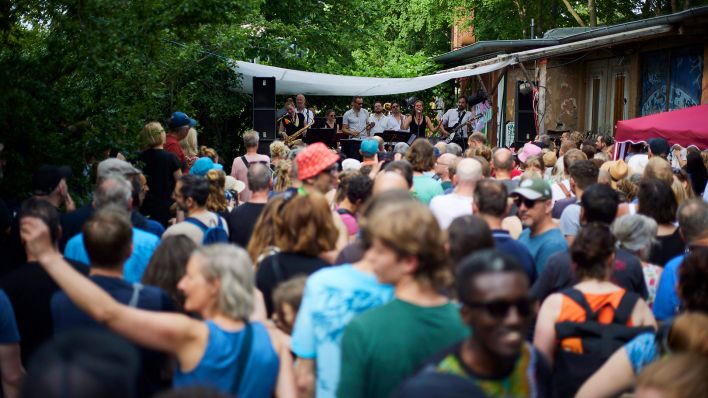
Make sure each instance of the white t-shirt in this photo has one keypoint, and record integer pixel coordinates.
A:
(451, 117)
(356, 121)
(446, 208)
(637, 163)
(380, 123)
(307, 114)
(558, 193)
(394, 124)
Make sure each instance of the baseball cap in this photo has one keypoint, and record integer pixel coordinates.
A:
(369, 147)
(658, 146)
(529, 150)
(202, 166)
(47, 177)
(114, 165)
(534, 189)
(313, 160)
(179, 119)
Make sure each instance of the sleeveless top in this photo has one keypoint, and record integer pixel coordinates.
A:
(573, 312)
(418, 130)
(217, 367)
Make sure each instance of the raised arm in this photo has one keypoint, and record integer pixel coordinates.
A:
(406, 122)
(173, 333)
(429, 123)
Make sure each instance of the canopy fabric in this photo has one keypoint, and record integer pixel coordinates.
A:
(291, 82)
(686, 127)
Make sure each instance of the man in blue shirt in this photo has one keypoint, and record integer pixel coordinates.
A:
(491, 205)
(693, 226)
(107, 237)
(116, 191)
(11, 372)
(543, 239)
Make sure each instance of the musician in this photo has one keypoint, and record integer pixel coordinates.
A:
(292, 122)
(301, 108)
(417, 121)
(454, 118)
(331, 120)
(354, 121)
(396, 118)
(378, 119)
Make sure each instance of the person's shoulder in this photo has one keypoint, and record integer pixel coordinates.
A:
(145, 237)
(74, 242)
(674, 263)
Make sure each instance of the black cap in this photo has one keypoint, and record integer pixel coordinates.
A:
(46, 179)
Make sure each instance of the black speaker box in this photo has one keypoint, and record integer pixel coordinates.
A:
(264, 92)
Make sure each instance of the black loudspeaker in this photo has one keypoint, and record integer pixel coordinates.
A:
(264, 107)
(524, 121)
(264, 146)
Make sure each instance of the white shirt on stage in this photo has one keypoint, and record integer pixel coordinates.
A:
(451, 117)
(307, 114)
(356, 121)
(380, 123)
(393, 124)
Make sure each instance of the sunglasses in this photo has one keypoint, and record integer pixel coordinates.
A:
(499, 309)
(527, 202)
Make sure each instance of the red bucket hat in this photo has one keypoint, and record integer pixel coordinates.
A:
(313, 160)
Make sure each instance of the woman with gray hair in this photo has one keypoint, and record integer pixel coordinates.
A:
(636, 234)
(222, 349)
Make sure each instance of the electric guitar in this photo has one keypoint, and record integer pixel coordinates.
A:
(459, 127)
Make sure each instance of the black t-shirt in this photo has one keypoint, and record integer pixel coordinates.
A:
(30, 289)
(241, 221)
(71, 223)
(666, 248)
(558, 275)
(280, 267)
(159, 167)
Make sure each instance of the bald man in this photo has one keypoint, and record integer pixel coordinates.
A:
(389, 181)
(442, 169)
(446, 208)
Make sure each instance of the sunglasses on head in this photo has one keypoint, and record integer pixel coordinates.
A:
(529, 203)
(499, 309)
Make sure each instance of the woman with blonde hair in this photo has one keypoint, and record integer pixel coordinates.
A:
(262, 242)
(216, 201)
(278, 153)
(223, 348)
(161, 169)
(190, 148)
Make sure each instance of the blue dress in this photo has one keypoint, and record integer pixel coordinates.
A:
(217, 368)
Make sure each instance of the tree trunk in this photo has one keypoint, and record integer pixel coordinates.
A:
(592, 12)
(573, 13)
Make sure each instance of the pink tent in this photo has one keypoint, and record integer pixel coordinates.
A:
(686, 127)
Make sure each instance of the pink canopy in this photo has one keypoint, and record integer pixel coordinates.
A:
(688, 126)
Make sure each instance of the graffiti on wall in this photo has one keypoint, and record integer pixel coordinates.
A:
(671, 79)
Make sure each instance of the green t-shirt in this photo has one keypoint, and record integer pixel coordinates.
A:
(385, 345)
(425, 188)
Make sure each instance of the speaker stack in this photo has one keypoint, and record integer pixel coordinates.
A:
(264, 110)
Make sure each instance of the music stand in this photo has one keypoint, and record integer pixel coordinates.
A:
(350, 148)
(326, 136)
(395, 136)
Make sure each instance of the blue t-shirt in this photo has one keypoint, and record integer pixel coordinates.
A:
(332, 298)
(144, 244)
(543, 246)
(505, 243)
(667, 303)
(217, 367)
(641, 351)
(8, 326)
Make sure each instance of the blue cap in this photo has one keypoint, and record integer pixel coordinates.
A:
(369, 147)
(202, 166)
(180, 119)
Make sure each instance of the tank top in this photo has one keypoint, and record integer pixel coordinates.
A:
(415, 128)
(217, 368)
(573, 312)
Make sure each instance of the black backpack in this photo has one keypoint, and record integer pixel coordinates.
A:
(599, 342)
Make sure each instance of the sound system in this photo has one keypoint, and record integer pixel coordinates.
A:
(264, 107)
(524, 122)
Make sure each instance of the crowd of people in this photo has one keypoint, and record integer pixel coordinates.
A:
(551, 271)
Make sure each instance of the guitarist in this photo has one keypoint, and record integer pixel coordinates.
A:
(292, 122)
(454, 118)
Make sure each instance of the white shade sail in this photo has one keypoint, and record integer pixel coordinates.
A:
(291, 82)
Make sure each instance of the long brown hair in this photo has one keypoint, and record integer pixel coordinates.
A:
(263, 236)
(304, 225)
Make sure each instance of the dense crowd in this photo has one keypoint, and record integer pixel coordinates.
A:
(420, 270)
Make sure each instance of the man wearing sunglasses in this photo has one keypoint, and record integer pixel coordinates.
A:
(493, 290)
(354, 121)
(541, 235)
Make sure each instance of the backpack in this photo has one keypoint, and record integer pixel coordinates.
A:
(248, 164)
(212, 235)
(599, 342)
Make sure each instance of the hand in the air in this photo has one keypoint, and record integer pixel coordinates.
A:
(35, 234)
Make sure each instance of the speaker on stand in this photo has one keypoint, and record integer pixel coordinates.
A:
(264, 107)
(525, 121)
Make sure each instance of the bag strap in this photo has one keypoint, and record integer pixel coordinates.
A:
(243, 354)
(625, 308)
(344, 211)
(565, 190)
(577, 296)
(245, 162)
(137, 287)
(198, 223)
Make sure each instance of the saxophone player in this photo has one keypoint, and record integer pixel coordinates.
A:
(292, 122)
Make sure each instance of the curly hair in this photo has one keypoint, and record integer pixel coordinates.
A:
(263, 236)
(590, 251)
(421, 155)
(281, 175)
(216, 201)
(693, 281)
(279, 150)
(304, 225)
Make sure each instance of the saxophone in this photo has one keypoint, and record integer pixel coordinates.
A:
(290, 141)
